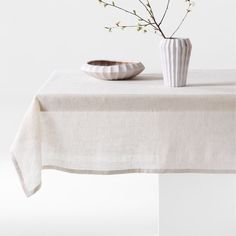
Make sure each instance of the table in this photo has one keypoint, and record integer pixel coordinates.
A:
(78, 124)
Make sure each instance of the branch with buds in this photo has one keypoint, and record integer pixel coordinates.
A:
(149, 23)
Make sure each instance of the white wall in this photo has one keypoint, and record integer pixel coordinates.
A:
(39, 36)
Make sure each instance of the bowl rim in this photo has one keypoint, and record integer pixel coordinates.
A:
(112, 63)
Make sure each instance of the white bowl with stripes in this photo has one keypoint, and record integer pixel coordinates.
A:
(112, 70)
(175, 57)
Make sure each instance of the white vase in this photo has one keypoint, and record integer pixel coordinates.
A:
(175, 56)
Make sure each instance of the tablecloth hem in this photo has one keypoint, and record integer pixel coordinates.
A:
(27, 192)
(133, 171)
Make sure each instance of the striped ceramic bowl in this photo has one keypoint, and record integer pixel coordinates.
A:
(112, 70)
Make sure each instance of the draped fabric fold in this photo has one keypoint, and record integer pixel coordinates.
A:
(26, 150)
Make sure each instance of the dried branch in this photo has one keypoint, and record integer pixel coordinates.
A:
(138, 26)
(146, 22)
(167, 7)
(145, 6)
(190, 4)
(148, 8)
(134, 13)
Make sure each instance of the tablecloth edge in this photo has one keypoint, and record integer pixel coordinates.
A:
(27, 192)
(138, 171)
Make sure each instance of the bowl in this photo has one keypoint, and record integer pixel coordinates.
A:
(112, 70)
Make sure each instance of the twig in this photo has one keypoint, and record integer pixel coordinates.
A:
(167, 7)
(129, 12)
(154, 18)
(145, 7)
(129, 26)
(149, 21)
(148, 7)
(182, 21)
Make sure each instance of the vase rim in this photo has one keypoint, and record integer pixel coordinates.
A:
(175, 39)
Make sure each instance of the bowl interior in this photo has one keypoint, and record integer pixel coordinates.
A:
(105, 63)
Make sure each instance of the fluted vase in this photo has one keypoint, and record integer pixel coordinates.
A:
(175, 57)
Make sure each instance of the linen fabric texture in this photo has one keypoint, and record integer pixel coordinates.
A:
(80, 124)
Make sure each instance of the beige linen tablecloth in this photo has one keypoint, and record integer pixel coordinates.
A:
(79, 124)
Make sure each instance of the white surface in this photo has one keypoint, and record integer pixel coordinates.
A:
(216, 82)
(100, 127)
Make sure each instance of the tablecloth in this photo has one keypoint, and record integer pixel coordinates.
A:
(79, 124)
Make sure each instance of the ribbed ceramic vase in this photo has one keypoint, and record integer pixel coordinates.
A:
(175, 57)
